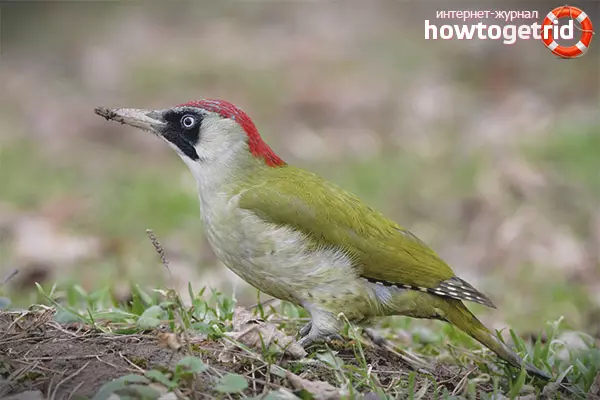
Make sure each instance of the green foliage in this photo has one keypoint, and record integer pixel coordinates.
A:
(151, 317)
(231, 383)
(208, 314)
(118, 385)
(190, 364)
(575, 370)
(162, 378)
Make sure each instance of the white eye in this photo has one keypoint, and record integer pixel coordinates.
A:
(188, 121)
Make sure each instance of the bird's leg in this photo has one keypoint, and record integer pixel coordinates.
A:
(305, 329)
(323, 326)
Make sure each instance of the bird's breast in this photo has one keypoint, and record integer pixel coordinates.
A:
(276, 259)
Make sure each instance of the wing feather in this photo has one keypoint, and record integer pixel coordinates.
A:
(383, 251)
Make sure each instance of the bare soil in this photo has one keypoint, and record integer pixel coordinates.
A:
(74, 361)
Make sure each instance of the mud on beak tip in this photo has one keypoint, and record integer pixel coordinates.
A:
(142, 119)
(107, 113)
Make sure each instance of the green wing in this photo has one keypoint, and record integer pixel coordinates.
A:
(383, 251)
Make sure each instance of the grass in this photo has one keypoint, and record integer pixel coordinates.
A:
(191, 365)
(194, 336)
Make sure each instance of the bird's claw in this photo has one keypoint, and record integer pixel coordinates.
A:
(305, 329)
(308, 340)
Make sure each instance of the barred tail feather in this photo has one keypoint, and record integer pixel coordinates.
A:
(460, 289)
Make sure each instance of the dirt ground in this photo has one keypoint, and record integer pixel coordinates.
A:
(73, 361)
(67, 361)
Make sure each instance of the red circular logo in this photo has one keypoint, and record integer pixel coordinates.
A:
(586, 31)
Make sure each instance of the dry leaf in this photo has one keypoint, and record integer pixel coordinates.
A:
(319, 389)
(169, 340)
(255, 332)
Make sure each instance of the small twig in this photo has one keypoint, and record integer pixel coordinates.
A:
(35, 366)
(253, 377)
(8, 277)
(21, 315)
(159, 249)
(58, 358)
(66, 332)
(73, 375)
(107, 363)
(75, 390)
(50, 385)
(128, 361)
(15, 340)
(14, 377)
(463, 382)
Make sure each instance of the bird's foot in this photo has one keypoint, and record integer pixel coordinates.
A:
(305, 330)
(308, 340)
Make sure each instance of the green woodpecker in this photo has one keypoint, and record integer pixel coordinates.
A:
(300, 238)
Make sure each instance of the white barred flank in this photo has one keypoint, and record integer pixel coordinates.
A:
(454, 288)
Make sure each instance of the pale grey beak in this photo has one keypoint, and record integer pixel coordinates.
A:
(147, 120)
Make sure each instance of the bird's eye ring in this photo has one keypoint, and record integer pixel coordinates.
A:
(188, 121)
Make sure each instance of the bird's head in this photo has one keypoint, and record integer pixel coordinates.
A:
(201, 132)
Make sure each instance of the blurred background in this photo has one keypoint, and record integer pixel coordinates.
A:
(488, 152)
